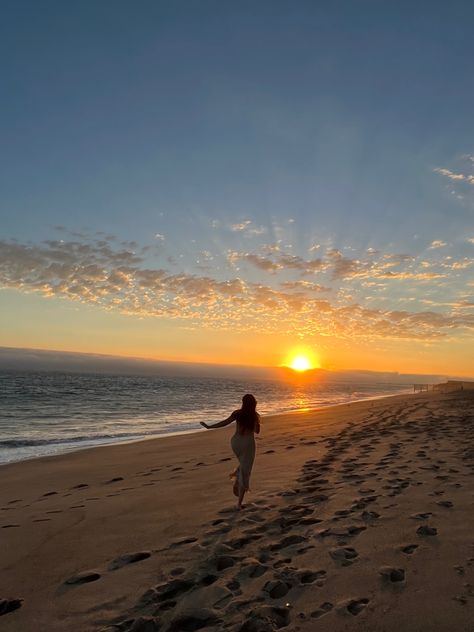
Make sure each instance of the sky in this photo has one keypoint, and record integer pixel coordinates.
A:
(236, 182)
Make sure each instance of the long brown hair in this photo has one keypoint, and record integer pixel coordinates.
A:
(247, 416)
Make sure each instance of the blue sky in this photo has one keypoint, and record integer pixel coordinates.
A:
(318, 127)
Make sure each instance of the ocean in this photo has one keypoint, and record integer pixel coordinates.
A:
(49, 413)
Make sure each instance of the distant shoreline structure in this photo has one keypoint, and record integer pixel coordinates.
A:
(445, 387)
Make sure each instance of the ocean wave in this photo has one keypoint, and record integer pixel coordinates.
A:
(27, 443)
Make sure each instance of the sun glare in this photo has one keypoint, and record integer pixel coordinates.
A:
(300, 363)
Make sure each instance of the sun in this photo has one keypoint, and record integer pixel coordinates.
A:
(300, 363)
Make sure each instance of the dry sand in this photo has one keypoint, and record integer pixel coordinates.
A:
(361, 518)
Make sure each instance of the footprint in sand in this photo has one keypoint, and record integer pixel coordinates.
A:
(445, 503)
(193, 620)
(128, 558)
(344, 555)
(222, 562)
(392, 575)
(279, 563)
(233, 585)
(276, 588)
(421, 516)
(427, 530)
(323, 609)
(116, 479)
(309, 577)
(409, 549)
(255, 569)
(208, 580)
(83, 578)
(9, 605)
(172, 589)
(49, 494)
(80, 486)
(356, 606)
(182, 541)
(288, 541)
(10, 526)
(266, 618)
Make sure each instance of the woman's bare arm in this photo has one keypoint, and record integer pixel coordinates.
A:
(219, 424)
(257, 426)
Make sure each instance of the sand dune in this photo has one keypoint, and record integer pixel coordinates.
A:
(360, 518)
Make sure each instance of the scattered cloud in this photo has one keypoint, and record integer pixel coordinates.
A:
(115, 276)
(437, 243)
(306, 286)
(459, 177)
(248, 228)
(449, 174)
(240, 227)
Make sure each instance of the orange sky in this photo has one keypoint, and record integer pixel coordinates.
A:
(62, 325)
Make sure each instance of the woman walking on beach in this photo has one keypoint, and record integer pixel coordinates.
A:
(243, 442)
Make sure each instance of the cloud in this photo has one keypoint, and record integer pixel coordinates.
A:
(306, 286)
(458, 177)
(463, 264)
(278, 261)
(240, 227)
(449, 174)
(470, 240)
(248, 228)
(437, 243)
(116, 278)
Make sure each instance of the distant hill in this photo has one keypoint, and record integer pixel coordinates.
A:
(15, 359)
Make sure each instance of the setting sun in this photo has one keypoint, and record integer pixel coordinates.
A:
(301, 359)
(300, 363)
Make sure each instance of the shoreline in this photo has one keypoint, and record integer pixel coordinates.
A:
(163, 435)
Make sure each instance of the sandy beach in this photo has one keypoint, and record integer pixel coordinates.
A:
(359, 518)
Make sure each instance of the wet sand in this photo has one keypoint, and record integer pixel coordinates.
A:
(360, 518)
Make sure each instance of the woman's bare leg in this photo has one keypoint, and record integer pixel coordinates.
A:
(242, 491)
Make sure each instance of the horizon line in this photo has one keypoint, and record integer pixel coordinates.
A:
(150, 361)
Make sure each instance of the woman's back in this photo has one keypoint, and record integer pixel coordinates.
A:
(247, 422)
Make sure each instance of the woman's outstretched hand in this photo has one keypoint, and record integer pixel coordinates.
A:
(204, 424)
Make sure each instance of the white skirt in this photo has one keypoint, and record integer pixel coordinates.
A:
(244, 449)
